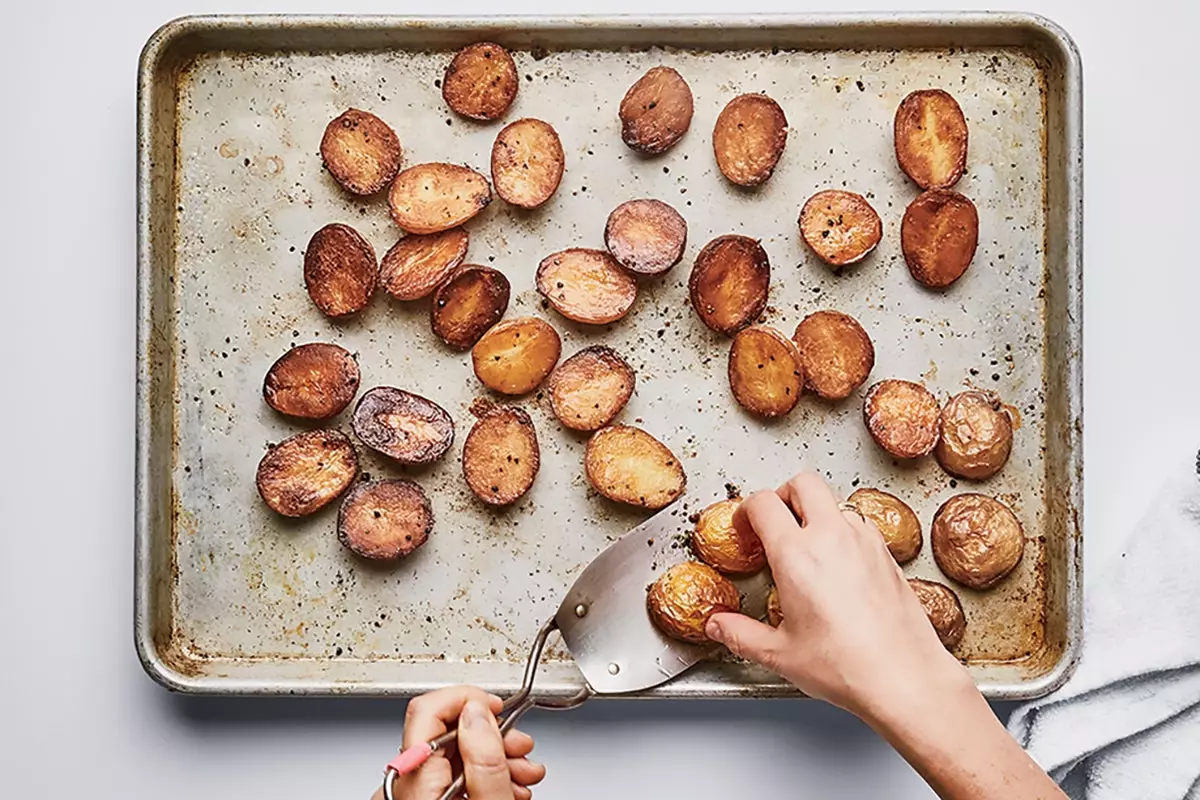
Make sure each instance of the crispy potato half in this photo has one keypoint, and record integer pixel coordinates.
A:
(931, 138)
(938, 236)
(895, 520)
(516, 355)
(418, 263)
(501, 456)
(340, 270)
(976, 435)
(385, 520)
(527, 163)
(943, 608)
(586, 285)
(836, 353)
(481, 81)
(361, 152)
(590, 388)
(774, 608)
(729, 283)
(645, 236)
(471, 300)
(402, 425)
(765, 372)
(628, 465)
(312, 381)
(725, 544)
(685, 596)
(977, 540)
(902, 418)
(748, 138)
(306, 472)
(428, 198)
(656, 111)
(840, 227)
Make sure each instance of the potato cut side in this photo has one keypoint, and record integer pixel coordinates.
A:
(516, 355)
(840, 227)
(681, 601)
(896, 521)
(628, 465)
(931, 138)
(590, 388)
(836, 352)
(419, 263)
(385, 520)
(303, 474)
(645, 236)
(938, 235)
(481, 81)
(977, 540)
(472, 300)
(902, 418)
(428, 198)
(729, 283)
(312, 381)
(403, 425)
(726, 542)
(976, 435)
(361, 152)
(944, 610)
(527, 163)
(765, 372)
(748, 138)
(340, 270)
(586, 285)
(656, 111)
(501, 456)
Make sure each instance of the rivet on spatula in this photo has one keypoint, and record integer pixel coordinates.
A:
(581, 610)
(614, 668)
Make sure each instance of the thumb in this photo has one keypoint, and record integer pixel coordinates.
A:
(745, 637)
(485, 763)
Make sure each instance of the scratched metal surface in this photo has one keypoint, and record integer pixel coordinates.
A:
(235, 599)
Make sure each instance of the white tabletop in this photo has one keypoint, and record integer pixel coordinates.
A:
(77, 700)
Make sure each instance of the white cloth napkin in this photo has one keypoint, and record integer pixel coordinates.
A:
(1127, 725)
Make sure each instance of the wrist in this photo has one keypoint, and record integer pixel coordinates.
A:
(937, 694)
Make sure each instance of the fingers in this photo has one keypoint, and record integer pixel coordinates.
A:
(482, 750)
(517, 744)
(521, 793)
(746, 638)
(525, 772)
(429, 715)
(770, 519)
(810, 498)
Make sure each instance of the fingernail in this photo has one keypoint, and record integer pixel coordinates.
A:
(713, 630)
(474, 715)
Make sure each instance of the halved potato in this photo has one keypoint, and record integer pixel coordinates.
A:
(481, 81)
(631, 466)
(586, 285)
(385, 520)
(361, 152)
(428, 198)
(306, 472)
(836, 353)
(656, 111)
(840, 227)
(501, 456)
(748, 138)
(931, 138)
(976, 435)
(727, 544)
(590, 388)
(938, 235)
(729, 283)
(471, 300)
(774, 608)
(977, 540)
(527, 163)
(403, 425)
(312, 381)
(516, 355)
(340, 270)
(944, 610)
(418, 263)
(902, 418)
(765, 372)
(685, 596)
(645, 236)
(896, 521)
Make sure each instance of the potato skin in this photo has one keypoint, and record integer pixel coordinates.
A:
(361, 152)
(469, 302)
(428, 198)
(481, 81)
(586, 285)
(977, 540)
(726, 545)
(628, 465)
(590, 388)
(340, 270)
(683, 598)
(774, 608)
(656, 111)
(944, 610)
(749, 138)
(930, 133)
(645, 236)
(402, 425)
(527, 163)
(902, 418)
(312, 381)
(976, 435)
(385, 520)
(840, 227)
(895, 520)
(837, 354)
(419, 263)
(516, 355)
(729, 283)
(501, 456)
(938, 235)
(765, 373)
(305, 473)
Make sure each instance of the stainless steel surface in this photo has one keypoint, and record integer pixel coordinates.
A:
(231, 599)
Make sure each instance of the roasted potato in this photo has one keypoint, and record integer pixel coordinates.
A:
(725, 544)
(306, 472)
(840, 227)
(943, 608)
(385, 520)
(938, 235)
(527, 163)
(428, 198)
(685, 596)
(646, 237)
(590, 388)
(897, 523)
(586, 286)
(340, 270)
(471, 300)
(729, 283)
(976, 435)
(516, 355)
(481, 81)
(902, 418)
(312, 381)
(836, 353)
(501, 456)
(361, 152)
(402, 425)
(774, 608)
(748, 138)
(765, 372)
(656, 111)
(630, 466)
(977, 540)
(419, 263)
(931, 139)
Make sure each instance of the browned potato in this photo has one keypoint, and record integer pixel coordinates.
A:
(361, 152)
(429, 198)
(840, 227)
(402, 425)
(902, 417)
(306, 472)
(418, 263)
(590, 388)
(385, 520)
(501, 456)
(656, 111)
(774, 608)
(472, 300)
(645, 236)
(943, 608)
(631, 466)
(312, 381)
(976, 435)
(586, 285)
(976, 540)
(516, 355)
(748, 138)
(340, 270)
(685, 596)
(931, 139)
(729, 282)
(765, 372)
(836, 353)
(527, 163)
(938, 235)
(481, 82)
(727, 545)
(895, 520)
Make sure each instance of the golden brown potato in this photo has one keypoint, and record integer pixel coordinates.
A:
(685, 596)
(306, 472)
(590, 388)
(428, 198)
(631, 466)
(765, 372)
(481, 81)
(340, 270)
(840, 227)
(385, 520)
(836, 353)
(943, 608)
(727, 545)
(897, 523)
(729, 283)
(902, 417)
(656, 111)
(931, 139)
(361, 152)
(471, 300)
(646, 237)
(586, 285)
(748, 138)
(516, 355)
(312, 381)
(402, 425)
(774, 608)
(938, 235)
(418, 263)
(976, 539)
(527, 163)
(976, 435)
(501, 456)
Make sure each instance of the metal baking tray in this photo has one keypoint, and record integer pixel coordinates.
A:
(233, 600)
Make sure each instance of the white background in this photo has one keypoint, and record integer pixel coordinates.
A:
(79, 719)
